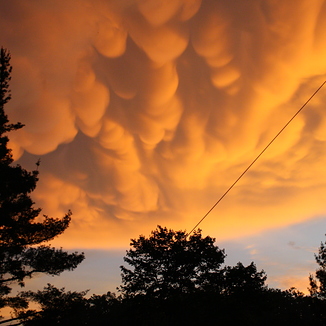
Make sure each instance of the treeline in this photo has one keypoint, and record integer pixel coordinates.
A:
(179, 280)
(171, 278)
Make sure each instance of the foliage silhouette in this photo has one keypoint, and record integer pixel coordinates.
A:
(22, 239)
(217, 294)
(168, 263)
(318, 281)
(58, 307)
(241, 279)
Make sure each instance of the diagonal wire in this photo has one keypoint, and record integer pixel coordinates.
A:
(260, 154)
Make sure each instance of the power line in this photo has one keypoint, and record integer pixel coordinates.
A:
(260, 154)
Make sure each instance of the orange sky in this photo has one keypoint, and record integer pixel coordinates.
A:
(144, 112)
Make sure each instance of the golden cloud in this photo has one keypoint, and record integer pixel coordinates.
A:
(145, 112)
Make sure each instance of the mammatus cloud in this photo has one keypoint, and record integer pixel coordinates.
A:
(144, 112)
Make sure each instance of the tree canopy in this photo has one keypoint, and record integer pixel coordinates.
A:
(228, 295)
(169, 262)
(318, 280)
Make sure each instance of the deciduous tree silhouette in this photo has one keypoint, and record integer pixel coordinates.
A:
(70, 308)
(156, 291)
(22, 239)
(236, 280)
(58, 307)
(318, 281)
(168, 262)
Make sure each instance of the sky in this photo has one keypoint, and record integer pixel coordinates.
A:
(144, 112)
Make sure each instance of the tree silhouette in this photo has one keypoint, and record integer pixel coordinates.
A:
(237, 280)
(58, 307)
(318, 281)
(155, 291)
(168, 263)
(69, 308)
(22, 239)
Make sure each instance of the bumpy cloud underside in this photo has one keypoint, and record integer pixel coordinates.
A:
(143, 112)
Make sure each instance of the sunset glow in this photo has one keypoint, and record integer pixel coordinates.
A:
(144, 112)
